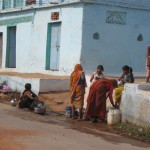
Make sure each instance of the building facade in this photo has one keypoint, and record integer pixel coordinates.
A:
(52, 36)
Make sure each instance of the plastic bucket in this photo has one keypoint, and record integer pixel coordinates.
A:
(68, 112)
(113, 117)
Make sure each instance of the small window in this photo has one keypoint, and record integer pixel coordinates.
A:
(96, 36)
(140, 37)
(6, 4)
(18, 3)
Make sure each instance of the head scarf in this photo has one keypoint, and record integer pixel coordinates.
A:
(77, 69)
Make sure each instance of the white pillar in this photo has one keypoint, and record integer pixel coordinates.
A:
(24, 2)
(40, 2)
(12, 3)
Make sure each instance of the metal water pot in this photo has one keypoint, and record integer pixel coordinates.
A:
(13, 102)
(40, 108)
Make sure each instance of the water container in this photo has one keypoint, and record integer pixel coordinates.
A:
(68, 112)
(113, 116)
(13, 102)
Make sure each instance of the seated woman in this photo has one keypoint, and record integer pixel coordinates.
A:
(148, 65)
(28, 99)
(77, 90)
(96, 107)
(127, 77)
(98, 74)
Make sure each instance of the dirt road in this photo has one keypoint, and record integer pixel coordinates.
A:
(23, 130)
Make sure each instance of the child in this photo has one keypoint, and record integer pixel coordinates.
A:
(98, 74)
(148, 64)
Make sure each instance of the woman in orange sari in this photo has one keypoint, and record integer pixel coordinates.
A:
(77, 90)
(96, 107)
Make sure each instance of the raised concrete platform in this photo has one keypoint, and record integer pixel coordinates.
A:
(40, 82)
(136, 104)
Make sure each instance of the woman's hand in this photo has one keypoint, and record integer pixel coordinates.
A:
(71, 100)
(122, 77)
(115, 106)
(123, 80)
(119, 79)
(21, 95)
(92, 77)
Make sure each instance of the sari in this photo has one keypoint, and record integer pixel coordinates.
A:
(96, 100)
(120, 89)
(27, 102)
(148, 65)
(77, 88)
(118, 93)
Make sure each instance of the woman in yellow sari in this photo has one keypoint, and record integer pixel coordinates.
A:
(127, 77)
(77, 90)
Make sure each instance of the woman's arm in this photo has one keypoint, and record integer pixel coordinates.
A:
(122, 77)
(124, 81)
(29, 95)
(71, 82)
(92, 77)
(35, 96)
(129, 80)
(83, 80)
(111, 88)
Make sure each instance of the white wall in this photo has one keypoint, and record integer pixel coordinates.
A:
(32, 37)
(136, 103)
(118, 44)
(38, 85)
(18, 83)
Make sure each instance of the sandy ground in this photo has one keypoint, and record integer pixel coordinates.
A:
(48, 76)
(57, 101)
(33, 75)
(24, 130)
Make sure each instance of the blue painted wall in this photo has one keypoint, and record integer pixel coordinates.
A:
(118, 44)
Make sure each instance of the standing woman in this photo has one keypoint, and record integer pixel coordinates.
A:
(77, 90)
(148, 64)
(96, 108)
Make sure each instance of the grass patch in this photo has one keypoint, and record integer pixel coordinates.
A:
(134, 130)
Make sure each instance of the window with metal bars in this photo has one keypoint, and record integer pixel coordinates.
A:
(6, 4)
(18, 3)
